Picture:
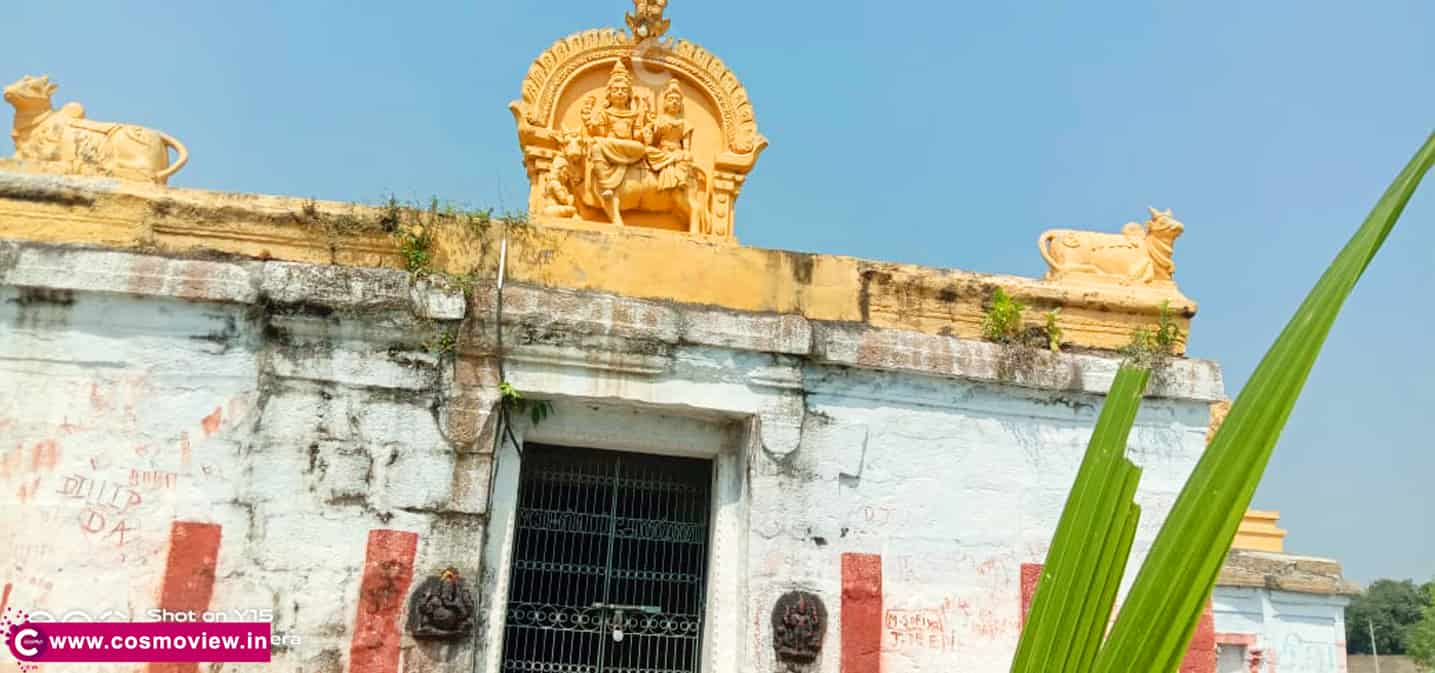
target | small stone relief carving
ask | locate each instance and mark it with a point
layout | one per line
(1141, 255)
(442, 607)
(75, 145)
(799, 623)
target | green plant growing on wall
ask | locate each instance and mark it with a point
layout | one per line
(415, 247)
(1053, 330)
(464, 282)
(442, 343)
(1066, 631)
(480, 220)
(516, 218)
(1002, 322)
(514, 402)
(1151, 348)
(414, 238)
(390, 215)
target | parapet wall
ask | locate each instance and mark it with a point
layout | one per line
(637, 263)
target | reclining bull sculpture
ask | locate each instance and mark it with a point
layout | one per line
(1137, 255)
(66, 139)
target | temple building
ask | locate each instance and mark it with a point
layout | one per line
(601, 438)
(1275, 610)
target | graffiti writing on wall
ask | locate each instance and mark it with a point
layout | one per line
(107, 510)
(924, 628)
(153, 479)
(979, 598)
(1298, 654)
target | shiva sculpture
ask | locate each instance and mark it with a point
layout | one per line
(636, 130)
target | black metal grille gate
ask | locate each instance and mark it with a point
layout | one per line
(609, 558)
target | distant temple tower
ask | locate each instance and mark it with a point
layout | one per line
(634, 129)
(1258, 532)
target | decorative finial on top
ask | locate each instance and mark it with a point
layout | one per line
(647, 20)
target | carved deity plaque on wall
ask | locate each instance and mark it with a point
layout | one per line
(799, 623)
(637, 130)
(442, 607)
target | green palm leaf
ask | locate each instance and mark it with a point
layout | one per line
(1091, 543)
(1156, 622)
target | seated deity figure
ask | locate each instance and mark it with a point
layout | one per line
(654, 133)
(557, 190)
(670, 154)
(618, 131)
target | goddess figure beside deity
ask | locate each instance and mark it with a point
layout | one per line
(631, 157)
(670, 149)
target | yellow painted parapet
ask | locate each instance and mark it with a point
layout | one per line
(634, 262)
(1258, 532)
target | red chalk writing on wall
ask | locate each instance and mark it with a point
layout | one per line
(153, 479)
(42, 456)
(923, 628)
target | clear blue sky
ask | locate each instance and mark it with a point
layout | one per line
(1269, 127)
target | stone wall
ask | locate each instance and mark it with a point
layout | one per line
(314, 439)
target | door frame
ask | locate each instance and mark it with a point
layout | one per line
(723, 439)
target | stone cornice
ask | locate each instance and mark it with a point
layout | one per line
(576, 328)
(1284, 572)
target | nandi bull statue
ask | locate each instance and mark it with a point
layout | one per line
(75, 145)
(1138, 255)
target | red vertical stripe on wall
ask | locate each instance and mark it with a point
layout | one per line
(188, 576)
(1201, 655)
(861, 613)
(388, 570)
(1030, 574)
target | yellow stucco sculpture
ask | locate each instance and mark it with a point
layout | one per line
(1138, 255)
(65, 141)
(632, 129)
(647, 19)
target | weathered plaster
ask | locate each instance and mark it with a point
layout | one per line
(300, 408)
(1287, 631)
(1282, 611)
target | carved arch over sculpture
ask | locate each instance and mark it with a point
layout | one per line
(721, 146)
(554, 70)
